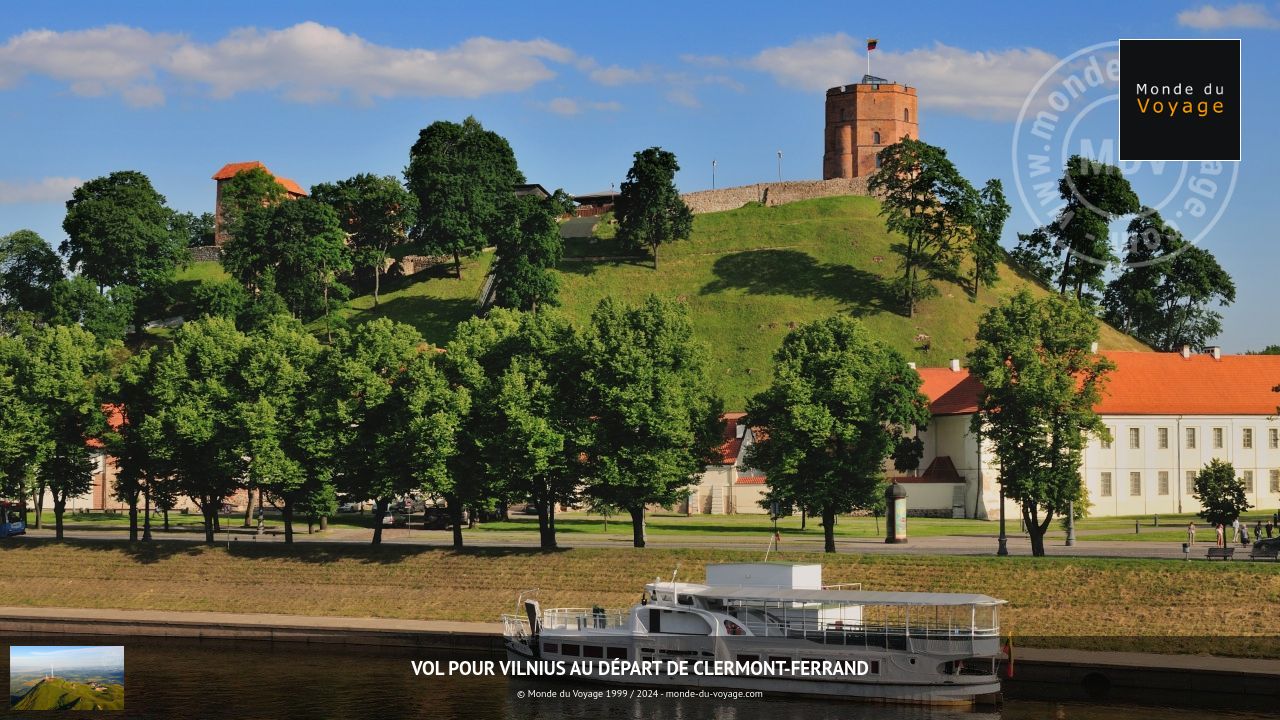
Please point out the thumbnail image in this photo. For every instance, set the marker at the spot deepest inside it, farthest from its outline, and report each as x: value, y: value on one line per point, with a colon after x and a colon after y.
x: 66, y: 677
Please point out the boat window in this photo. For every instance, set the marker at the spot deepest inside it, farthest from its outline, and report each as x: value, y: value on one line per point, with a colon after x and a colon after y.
x: 874, y: 667
x: 551, y: 647
x: 615, y: 653
x: 592, y: 651
x: 733, y: 628
x: 569, y: 649
x: 686, y: 600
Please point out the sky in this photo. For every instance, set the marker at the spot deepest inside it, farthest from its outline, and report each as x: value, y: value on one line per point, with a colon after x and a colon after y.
x: 323, y: 91
x: 23, y: 658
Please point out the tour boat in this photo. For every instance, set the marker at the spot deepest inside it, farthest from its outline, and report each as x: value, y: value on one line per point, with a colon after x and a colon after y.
x: 776, y: 628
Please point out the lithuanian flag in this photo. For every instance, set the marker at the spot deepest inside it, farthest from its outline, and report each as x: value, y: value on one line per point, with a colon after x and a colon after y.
x: 871, y: 44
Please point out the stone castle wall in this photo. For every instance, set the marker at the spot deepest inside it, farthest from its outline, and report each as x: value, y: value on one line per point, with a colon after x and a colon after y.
x: 773, y: 193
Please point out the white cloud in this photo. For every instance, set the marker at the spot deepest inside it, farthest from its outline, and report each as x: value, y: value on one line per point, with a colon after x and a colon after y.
x: 705, y: 60
x: 569, y: 106
x: 44, y: 190
x: 307, y: 62
x: 95, y: 62
x: 989, y: 85
x: 1244, y: 15
x: 683, y: 96
x: 615, y: 75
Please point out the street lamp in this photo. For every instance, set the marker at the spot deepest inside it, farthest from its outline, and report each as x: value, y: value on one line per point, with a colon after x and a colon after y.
x: 1071, y: 523
x: 1004, y: 539
x: 779, y: 166
x: 713, y: 174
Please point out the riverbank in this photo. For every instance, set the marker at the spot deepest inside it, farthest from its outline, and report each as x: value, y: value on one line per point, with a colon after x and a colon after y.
x: 1086, y: 603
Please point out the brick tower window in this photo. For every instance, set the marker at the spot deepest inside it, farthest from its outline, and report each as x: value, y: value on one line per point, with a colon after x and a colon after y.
x: 906, y: 115
x: 876, y: 137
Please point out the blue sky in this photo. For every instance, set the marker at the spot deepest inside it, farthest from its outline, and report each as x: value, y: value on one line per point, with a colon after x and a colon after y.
x: 320, y: 92
x: 64, y: 657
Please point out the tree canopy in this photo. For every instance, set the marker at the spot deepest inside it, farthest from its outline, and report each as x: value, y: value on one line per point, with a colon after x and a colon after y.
x: 1040, y: 383
x: 29, y: 269
x: 529, y: 247
x: 1221, y: 494
x: 649, y: 209
x: 376, y: 213
x: 462, y: 176
x: 841, y: 403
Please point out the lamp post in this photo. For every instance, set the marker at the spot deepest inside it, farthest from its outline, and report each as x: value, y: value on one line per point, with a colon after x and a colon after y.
x: 779, y: 166
x: 1004, y: 539
x: 713, y: 174
x: 1071, y: 523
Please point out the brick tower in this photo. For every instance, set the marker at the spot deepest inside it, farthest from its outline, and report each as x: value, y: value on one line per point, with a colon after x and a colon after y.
x: 862, y: 120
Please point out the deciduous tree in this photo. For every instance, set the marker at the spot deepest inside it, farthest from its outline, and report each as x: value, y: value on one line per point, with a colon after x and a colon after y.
x: 988, y: 226
x: 1040, y: 383
x: 376, y: 213
x: 841, y: 403
x: 649, y: 209
x: 28, y: 271
x: 529, y: 247
x: 1220, y: 493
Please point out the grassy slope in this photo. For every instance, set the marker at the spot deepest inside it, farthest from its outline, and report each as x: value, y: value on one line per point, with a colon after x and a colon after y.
x: 749, y: 274
x: 1084, y: 602
x: 59, y: 694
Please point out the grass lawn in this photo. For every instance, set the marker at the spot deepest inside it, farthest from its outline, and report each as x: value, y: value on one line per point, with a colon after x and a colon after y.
x: 738, y: 525
x: 749, y: 275
x: 1070, y: 602
x: 188, y: 278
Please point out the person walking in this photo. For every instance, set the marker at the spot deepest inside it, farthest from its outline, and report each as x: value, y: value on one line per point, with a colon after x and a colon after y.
x: 1221, y: 533
x: 1257, y: 531
x: 1191, y: 534
x: 1244, y: 534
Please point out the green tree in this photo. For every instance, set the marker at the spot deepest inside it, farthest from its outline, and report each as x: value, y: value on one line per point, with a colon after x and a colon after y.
x: 294, y: 250
x: 28, y: 271
x: 225, y: 298
x: 654, y: 421
x: 77, y: 301
x: 1268, y: 350
x: 1220, y: 493
x: 926, y: 200
x: 376, y: 213
x: 649, y: 209
x: 1164, y: 295
x: 358, y: 381
x: 523, y: 437
x: 195, y: 419
x: 462, y: 176
x: 1040, y: 383
x: 64, y: 375
x: 841, y: 403
x: 244, y: 192
x: 23, y: 432
x: 139, y: 460
x: 992, y: 212
x: 119, y: 232
x: 286, y: 442
x: 529, y: 247
x: 195, y: 230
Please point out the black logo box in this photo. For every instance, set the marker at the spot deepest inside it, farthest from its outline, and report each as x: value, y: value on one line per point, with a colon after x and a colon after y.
x: 1180, y: 65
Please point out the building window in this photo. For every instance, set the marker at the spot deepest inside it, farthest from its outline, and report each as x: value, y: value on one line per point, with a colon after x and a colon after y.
x: 906, y: 115
x: 1246, y: 438
x: 1191, y: 481
x: 1248, y: 481
x: 876, y: 137
x: 1273, y: 438
x: 1275, y: 481
x: 1162, y: 482
x: 1106, y: 484
x: 1135, y: 438
x: 1217, y: 438
x: 1191, y: 438
x: 1162, y: 438
x: 1135, y: 483
x: 1106, y: 441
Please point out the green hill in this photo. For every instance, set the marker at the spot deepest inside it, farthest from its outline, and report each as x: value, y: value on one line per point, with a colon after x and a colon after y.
x: 748, y: 276
x: 60, y: 694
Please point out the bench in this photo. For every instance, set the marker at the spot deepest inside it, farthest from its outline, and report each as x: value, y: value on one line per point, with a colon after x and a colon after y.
x: 1223, y: 553
x: 1264, y: 553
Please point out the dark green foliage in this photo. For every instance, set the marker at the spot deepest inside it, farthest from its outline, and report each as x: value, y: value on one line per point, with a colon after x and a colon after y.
x: 1221, y: 494
x: 462, y: 175
x: 195, y: 230
x: 246, y: 191
x: 840, y: 404
x: 220, y: 298
x: 376, y: 213
x: 1040, y: 383
x: 991, y: 213
x: 1164, y: 295
x: 926, y: 200
x: 649, y: 209
x: 76, y: 301
x: 119, y: 232
x: 655, y: 423
x: 295, y: 250
x: 28, y: 271
x: 529, y: 247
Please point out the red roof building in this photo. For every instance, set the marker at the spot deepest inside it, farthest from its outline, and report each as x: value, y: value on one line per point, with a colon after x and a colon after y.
x: 292, y: 190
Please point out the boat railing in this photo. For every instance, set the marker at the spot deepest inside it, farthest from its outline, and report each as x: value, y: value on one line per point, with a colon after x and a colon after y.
x: 515, y: 627
x: 584, y: 619
x: 872, y: 634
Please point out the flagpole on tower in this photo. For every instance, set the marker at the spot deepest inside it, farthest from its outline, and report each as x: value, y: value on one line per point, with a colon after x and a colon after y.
x: 871, y: 45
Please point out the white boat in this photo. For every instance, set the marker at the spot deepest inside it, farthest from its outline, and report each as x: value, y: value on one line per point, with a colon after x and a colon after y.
x: 771, y: 627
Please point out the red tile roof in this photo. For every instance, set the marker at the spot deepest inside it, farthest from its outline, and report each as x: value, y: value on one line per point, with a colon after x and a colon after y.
x: 115, y: 418
x: 941, y: 470
x: 750, y: 480
x: 1147, y: 383
x: 230, y: 170
x: 732, y: 442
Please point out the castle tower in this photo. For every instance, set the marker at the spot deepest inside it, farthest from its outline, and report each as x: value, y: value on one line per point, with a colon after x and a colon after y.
x: 862, y: 120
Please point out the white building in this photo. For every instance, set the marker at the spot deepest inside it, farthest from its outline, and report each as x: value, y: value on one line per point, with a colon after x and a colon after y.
x: 1169, y: 415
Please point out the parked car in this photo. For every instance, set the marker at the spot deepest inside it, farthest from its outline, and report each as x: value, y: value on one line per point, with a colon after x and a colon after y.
x: 1266, y: 548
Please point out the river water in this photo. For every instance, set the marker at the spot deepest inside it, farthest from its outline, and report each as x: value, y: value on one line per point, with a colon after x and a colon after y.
x: 167, y: 679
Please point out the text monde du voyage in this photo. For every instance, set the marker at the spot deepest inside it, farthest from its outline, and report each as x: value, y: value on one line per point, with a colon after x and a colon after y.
x: 1180, y: 100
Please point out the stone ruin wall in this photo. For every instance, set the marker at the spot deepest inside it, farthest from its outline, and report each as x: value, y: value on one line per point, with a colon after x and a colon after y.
x: 773, y: 193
